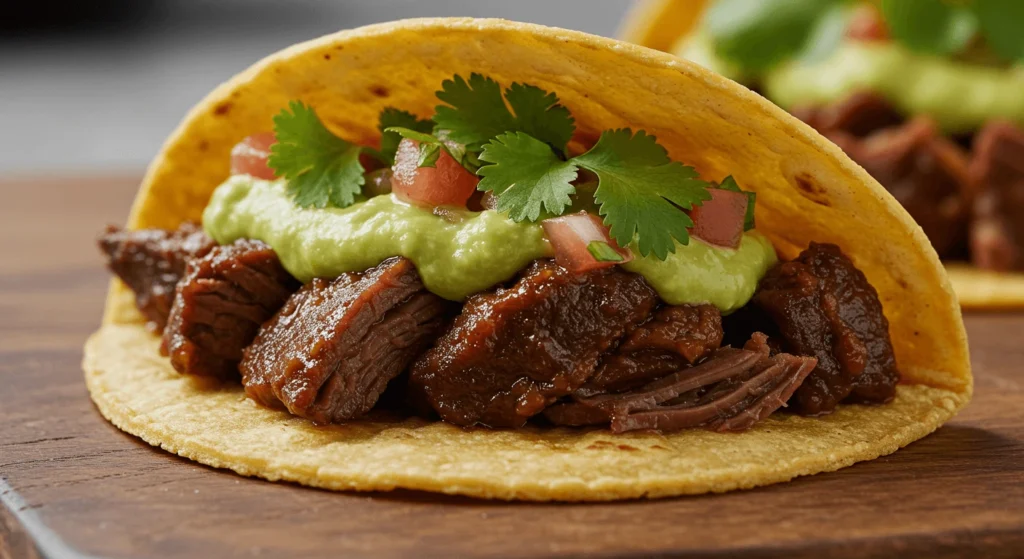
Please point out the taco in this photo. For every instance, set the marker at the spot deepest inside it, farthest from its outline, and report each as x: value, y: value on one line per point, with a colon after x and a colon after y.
x: 924, y: 95
x: 509, y: 261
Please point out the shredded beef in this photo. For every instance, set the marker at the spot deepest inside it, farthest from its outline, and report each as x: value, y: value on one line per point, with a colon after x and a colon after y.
x: 824, y: 307
x: 336, y: 344
x: 730, y: 391
x: 151, y: 261
x: 997, y: 173
x: 674, y: 337
x: 514, y: 351
x: 924, y: 170
x: 220, y: 303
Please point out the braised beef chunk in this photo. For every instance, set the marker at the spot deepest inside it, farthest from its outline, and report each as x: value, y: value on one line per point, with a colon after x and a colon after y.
x: 859, y: 114
x: 997, y: 172
x: 220, y: 303
x: 514, y: 351
x: 923, y: 169
x: 730, y: 391
x: 151, y: 261
x: 675, y: 336
x: 824, y: 307
x: 332, y: 349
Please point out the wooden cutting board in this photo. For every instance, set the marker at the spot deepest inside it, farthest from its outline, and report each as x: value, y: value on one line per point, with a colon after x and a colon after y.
x: 74, y: 486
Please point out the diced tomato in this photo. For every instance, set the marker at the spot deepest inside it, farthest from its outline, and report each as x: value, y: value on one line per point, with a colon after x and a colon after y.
x: 249, y: 157
x: 719, y: 221
x: 866, y: 24
x: 447, y: 183
x: 572, y: 235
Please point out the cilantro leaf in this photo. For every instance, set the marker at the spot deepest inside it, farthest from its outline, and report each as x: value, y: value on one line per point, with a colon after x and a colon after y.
x: 929, y: 26
x: 757, y: 34
x: 826, y: 34
x: 526, y: 175
x: 395, y: 118
x: 476, y: 112
x: 729, y: 183
x: 1000, y: 22
x: 320, y: 167
x: 539, y: 115
x: 642, y: 192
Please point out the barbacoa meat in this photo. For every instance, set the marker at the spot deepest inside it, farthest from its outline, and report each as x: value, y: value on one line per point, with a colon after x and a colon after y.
x: 730, y: 391
x: 220, y: 303
x: 512, y: 352
x: 332, y: 349
x: 997, y: 174
x: 859, y: 114
x: 674, y: 337
x: 924, y: 170
x: 824, y: 307
x: 151, y: 262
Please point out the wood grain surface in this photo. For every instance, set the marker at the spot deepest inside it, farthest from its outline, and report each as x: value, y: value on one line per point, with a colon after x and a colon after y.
x: 74, y: 486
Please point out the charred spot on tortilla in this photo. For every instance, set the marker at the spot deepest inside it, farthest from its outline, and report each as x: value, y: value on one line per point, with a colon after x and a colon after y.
x: 810, y: 189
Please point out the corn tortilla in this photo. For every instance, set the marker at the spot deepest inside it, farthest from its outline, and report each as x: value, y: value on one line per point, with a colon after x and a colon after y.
x: 807, y: 190
x: 664, y: 24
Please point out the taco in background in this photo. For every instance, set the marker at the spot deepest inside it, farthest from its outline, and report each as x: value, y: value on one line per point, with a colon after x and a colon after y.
x: 925, y: 95
x: 511, y: 261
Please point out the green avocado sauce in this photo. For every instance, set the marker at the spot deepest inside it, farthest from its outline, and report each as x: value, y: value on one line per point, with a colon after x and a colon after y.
x: 959, y: 96
x: 458, y: 256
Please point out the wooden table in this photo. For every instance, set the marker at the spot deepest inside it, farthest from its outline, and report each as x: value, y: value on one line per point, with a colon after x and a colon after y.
x: 74, y: 486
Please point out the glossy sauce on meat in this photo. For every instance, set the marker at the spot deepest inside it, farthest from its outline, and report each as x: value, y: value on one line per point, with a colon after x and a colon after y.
x: 824, y: 307
x: 674, y: 337
x: 220, y: 303
x: 512, y: 352
x: 332, y: 349
x: 151, y: 262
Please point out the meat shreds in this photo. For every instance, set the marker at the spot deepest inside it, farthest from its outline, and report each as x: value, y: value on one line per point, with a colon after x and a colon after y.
x: 516, y: 350
x: 824, y: 307
x: 220, y: 303
x: 332, y: 349
x: 151, y: 262
x: 676, y: 336
x: 997, y: 173
x: 924, y: 170
x: 730, y: 391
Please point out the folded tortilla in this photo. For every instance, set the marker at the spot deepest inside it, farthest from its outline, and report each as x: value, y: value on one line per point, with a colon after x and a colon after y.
x: 663, y: 24
x: 807, y: 190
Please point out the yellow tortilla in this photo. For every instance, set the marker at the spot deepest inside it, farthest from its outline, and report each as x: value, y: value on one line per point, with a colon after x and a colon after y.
x: 665, y: 24
x: 807, y: 190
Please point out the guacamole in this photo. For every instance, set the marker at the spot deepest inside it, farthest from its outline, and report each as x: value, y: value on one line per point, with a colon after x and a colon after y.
x: 959, y: 96
x: 457, y: 255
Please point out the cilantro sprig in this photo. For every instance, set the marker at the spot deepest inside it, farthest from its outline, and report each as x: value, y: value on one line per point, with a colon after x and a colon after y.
x: 526, y: 175
x: 476, y: 113
x: 758, y: 34
x: 321, y: 168
x: 642, y: 192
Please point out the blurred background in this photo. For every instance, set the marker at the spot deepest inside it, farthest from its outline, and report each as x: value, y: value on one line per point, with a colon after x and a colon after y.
x: 97, y: 85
